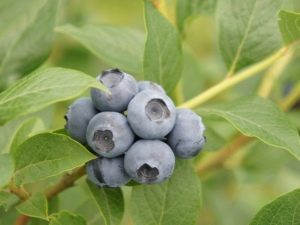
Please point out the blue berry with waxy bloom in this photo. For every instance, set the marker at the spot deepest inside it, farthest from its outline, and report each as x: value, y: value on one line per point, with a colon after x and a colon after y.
x: 106, y: 172
x: 122, y: 88
x: 187, y: 137
x: 151, y: 114
x: 109, y: 134
x: 77, y: 118
x: 149, y: 161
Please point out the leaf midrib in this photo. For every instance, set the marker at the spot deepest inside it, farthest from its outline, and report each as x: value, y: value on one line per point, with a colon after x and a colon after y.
x: 38, y: 91
x: 242, y: 43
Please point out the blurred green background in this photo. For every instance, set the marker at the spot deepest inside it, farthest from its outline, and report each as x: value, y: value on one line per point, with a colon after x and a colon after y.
x: 231, y: 195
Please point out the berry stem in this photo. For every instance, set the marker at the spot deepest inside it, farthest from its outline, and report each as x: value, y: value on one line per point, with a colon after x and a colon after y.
x: 234, y: 80
x: 66, y: 181
x: 21, y: 193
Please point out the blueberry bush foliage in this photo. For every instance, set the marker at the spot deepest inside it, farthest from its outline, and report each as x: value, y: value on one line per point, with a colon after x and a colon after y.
x: 234, y: 62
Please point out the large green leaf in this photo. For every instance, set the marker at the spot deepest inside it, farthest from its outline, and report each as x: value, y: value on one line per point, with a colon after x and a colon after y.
x: 176, y: 201
x: 163, y: 54
x: 248, y: 31
x: 46, y: 155
x: 26, y: 130
x: 282, y: 211
x: 15, y: 16
x: 6, y: 169
x: 36, y: 206
x: 33, y: 46
x: 258, y: 117
x: 118, y: 46
x: 43, y: 88
x: 66, y: 218
x: 109, y: 202
x: 289, y: 24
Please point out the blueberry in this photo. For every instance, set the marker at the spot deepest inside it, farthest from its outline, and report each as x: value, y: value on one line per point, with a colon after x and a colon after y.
x: 149, y: 161
x: 151, y: 114
x: 186, y: 139
x: 109, y: 134
x: 122, y: 88
x: 149, y: 85
x: 78, y: 117
x: 106, y: 172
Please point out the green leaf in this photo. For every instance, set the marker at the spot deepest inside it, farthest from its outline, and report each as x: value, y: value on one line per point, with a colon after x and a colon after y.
x: 15, y: 16
x: 6, y: 169
x: 53, y: 207
x: 67, y: 218
x: 186, y: 9
x: 109, y: 202
x: 36, y: 206
x: 7, y: 199
x: 46, y: 155
x: 260, y: 118
x: 289, y: 24
x: 294, y: 117
x: 61, y: 131
x: 34, y: 45
x: 9, y: 130
x: 26, y: 130
x: 118, y: 46
x: 282, y: 211
x: 248, y: 31
x: 163, y: 54
x: 84, y: 205
x: 43, y: 88
x: 176, y: 201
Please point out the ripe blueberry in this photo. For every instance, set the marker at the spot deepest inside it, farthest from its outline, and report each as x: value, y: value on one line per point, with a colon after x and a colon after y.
x: 78, y: 117
x: 122, y: 88
x: 149, y: 161
x: 109, y: 134
x: 151, y: 114
x: 149, y: 85
x: 106, y: 172
x: 186, y: 139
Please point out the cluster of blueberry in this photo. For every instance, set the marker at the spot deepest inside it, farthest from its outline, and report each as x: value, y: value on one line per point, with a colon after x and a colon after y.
x: 135, y: 129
